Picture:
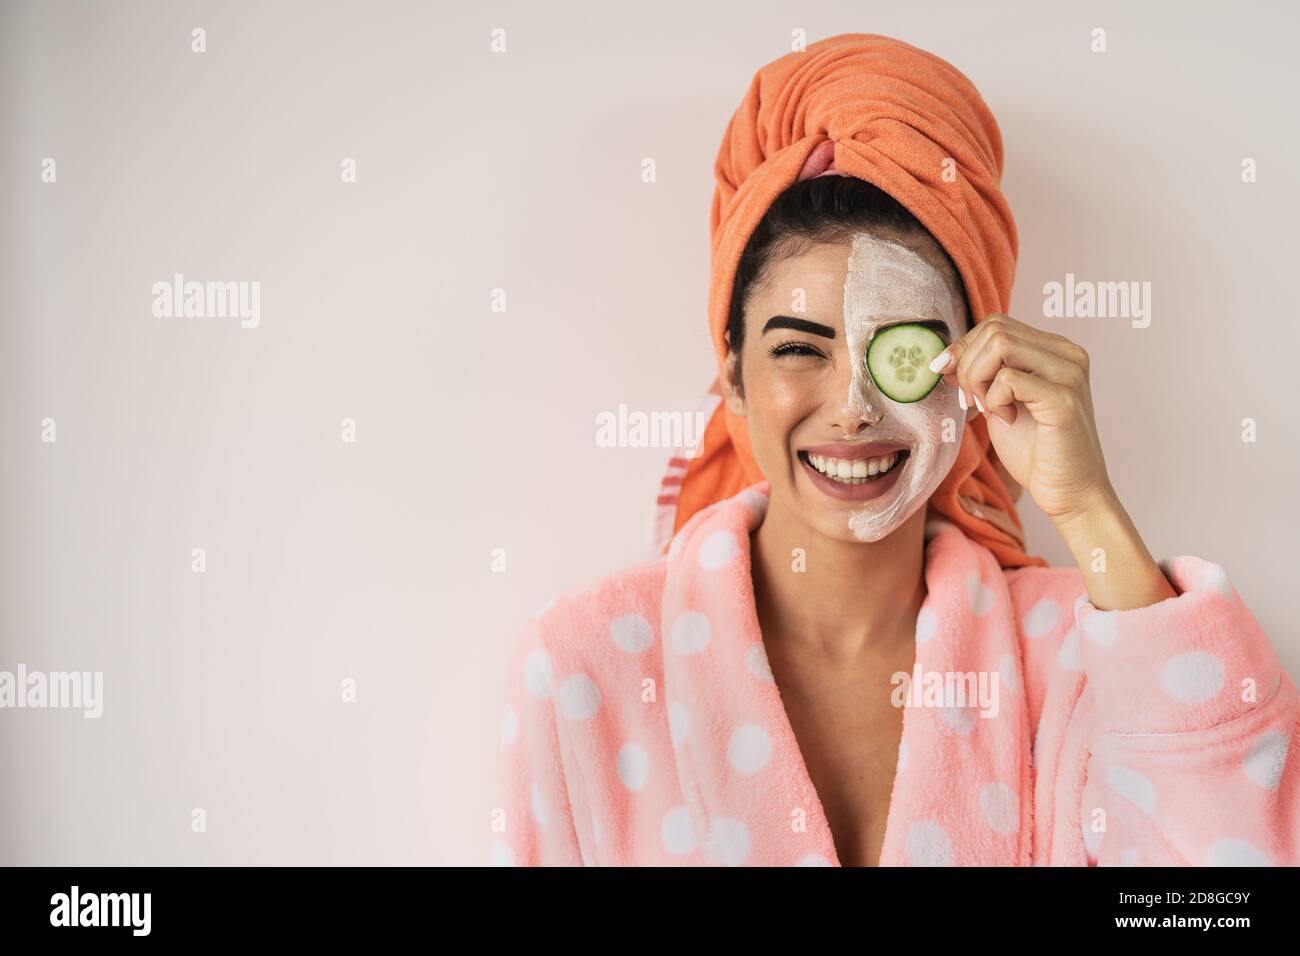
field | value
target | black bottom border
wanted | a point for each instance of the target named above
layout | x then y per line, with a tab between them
239	904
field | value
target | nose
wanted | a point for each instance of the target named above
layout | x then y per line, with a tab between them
863	405
854	418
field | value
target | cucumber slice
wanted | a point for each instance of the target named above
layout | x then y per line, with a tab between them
899	359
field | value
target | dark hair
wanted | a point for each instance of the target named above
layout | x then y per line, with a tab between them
821	209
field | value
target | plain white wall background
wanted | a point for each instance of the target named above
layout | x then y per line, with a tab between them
475	429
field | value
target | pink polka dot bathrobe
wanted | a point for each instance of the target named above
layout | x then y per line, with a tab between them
642	725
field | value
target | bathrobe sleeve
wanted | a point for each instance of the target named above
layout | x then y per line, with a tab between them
532	822
1182	722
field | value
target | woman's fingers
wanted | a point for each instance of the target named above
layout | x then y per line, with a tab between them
1050	403
1000	322
981	364
1001	341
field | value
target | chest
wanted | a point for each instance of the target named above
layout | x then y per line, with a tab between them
848	731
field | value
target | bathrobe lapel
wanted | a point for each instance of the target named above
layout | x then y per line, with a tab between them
961	794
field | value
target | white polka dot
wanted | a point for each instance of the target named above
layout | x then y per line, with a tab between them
960	719
679	721
1236	853
502	855
758	664
1041	619
755	501
509	726
678	832
691	633
1266	759
927	625
541	810
1067	658
1133	786
1192	677
979	594
579	697
717	550
1216	579
902	757
1000	808
928	845
537	674
632	633
813	859
750	749
729	842
1100	628
633	765
1008	678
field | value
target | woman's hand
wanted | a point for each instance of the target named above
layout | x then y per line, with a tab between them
1033	387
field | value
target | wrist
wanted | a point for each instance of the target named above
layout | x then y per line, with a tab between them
1118	570
1101	510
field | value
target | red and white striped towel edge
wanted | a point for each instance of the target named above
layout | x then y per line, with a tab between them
665	513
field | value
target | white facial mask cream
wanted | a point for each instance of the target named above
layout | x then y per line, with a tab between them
888	283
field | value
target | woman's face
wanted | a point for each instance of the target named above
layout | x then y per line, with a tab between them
810	400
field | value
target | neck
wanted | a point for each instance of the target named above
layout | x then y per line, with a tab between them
851	598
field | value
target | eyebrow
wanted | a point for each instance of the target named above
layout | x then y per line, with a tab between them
799	325
816	328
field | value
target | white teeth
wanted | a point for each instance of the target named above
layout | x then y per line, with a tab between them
854	470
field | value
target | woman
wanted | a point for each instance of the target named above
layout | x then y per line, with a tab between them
845	656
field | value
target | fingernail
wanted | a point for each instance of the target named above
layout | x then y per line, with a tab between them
961	398
978	403
940	361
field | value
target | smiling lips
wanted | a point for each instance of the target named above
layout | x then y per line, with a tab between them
854	472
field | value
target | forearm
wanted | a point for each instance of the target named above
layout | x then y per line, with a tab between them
1118	570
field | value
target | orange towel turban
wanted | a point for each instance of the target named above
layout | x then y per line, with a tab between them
899	118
